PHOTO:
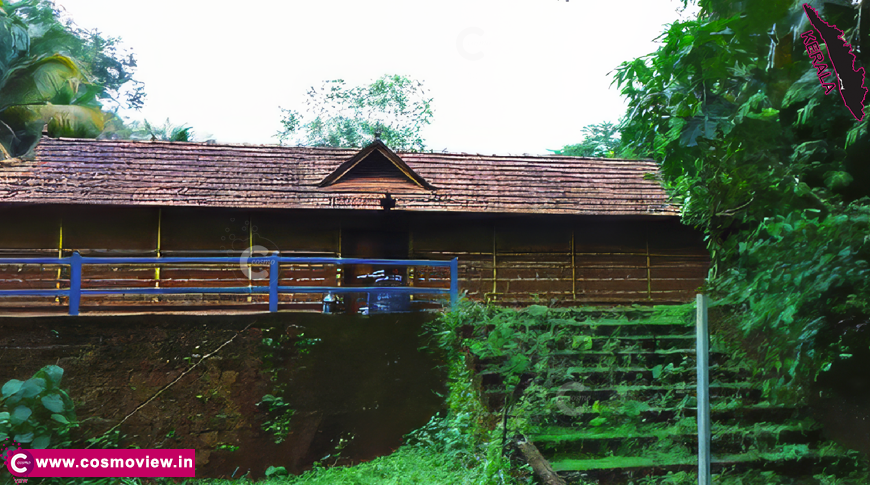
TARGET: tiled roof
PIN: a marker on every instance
(79, 171)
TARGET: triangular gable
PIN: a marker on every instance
(375, 161)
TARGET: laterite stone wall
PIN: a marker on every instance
(116, 365)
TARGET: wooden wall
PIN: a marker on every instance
(521, 260)
(510, 259)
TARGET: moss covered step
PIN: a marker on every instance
(607, 328)
(604, 440)
(633, 357)
(648, 376)
(624, 350)
(639, 358)
(635, 312)
(670, 312)
(615, 343)
(792, 461)
(722, 413)
(595, 377)
(559, 434)
(657, 395)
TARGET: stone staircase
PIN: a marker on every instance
(625, 410)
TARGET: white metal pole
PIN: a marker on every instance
(702, 354)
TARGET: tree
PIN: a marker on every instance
(41, 83)
(394, 107)
(144, 130)
(774, 171)
(100, 57)
(599, 140)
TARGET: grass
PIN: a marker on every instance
(408, 465)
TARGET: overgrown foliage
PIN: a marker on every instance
(56, 74)
(773, 171)
(110, 66)
(603, 391)
(280, 415)
(394, 107)
(37, 413)
(407, 465)
(600, 140)
(145, 130)
(534, 354)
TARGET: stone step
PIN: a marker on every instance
(721, 413)
(591, 441)
(787, 462)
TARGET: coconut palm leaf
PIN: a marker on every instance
(14, 41)
(52, 79)
(45, 89)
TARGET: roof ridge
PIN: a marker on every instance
(329, 149)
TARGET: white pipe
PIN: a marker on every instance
(702, 357)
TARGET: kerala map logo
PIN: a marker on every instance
(848, 80)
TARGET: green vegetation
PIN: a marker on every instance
(462, 446)
(395, 107)
(280, 414)
(609, 394)
(408, 465)
(102, 58)
(602, 393)
(37, 413)
(53, 73)
(144, 130)
(600, 140)
(772, 170)
(605, 394)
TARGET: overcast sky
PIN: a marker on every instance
(506, 76)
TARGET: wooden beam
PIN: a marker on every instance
(648, 273)
(338, 252)
(250, 248)
(573, 269)
(410, 273)
(159, 237)
(59, 255)
(494, 266)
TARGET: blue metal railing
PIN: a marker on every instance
(76, 261)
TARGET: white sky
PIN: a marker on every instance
(507, 76)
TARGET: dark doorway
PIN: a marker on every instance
(374, 244)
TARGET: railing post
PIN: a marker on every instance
(454, 283)
(274, 273)
(702, 357)
(75, 282)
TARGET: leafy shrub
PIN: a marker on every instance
(37, 412)
(803, 281)
(280, 414)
